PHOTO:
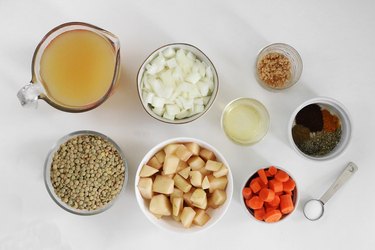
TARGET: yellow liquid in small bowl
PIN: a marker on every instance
(77, 68)
(245, 121)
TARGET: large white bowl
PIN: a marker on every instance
(168, 223)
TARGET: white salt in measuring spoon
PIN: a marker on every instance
(314, 209)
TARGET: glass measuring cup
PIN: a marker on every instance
(38, 88)
(314, 209)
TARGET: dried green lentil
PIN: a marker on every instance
(81, 178)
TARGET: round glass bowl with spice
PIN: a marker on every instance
(177, 83)
(85, 172)
(320, 128)
(278, 66)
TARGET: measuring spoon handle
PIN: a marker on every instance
(350, 169)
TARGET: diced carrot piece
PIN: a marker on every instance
(259, 213)
(262, 176)
(286, 204)
(281, 176)
(255, 186)
(276, 185)
(246, 193)
(272, 170)
(255, 202)
(268, 174)
(270, 208)
(266, 194)
(275, 202)
(272, 216)
(289, 185)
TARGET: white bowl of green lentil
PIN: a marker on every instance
(85, 172)
(320, 136)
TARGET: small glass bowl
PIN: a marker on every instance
(47, 173)
(258, 107)
(200, 55)
(251, 213)
(346, 127)
(291, 54)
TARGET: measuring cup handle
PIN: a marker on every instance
(29, 94)
(350, 169)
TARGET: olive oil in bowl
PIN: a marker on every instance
(245, 121)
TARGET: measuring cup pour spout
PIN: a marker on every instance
(29, 95)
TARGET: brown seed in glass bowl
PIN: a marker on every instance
(274, 69)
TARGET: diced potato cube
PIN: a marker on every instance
(182, 165)
(221, 172)
(158, 216)
(168, 175)
(160, 156)
(205, 183)
(171, 148)
(193, 147)
(187, 197)
(170, 164)
(176, 193)
(195, 162)
(204, 171)
(196, 178)
(181, 183)
(217, 183)
(213, 165)
(177, 205)
(153, 162)
(187, 216)
(183, 153)
(176, 218)
(217, 198)
(163, 184)
(185, 172)
(199, 198)
(201, 217)
(160, 205)
(147, 171)
(145, 187)
(207, 154)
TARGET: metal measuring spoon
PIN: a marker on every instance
(314, 209)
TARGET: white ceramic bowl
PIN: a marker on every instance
(346, 126)
(285, 217)
(168, 223)
(200, 55)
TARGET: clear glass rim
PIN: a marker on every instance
(39, 51)
(47, 170)
(188, 119)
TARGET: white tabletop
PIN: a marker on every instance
(336, 41)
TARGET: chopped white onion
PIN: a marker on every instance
(177, 84)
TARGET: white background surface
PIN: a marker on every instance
(336, 41)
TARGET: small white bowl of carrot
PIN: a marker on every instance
(270, 195)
